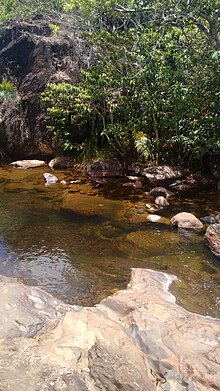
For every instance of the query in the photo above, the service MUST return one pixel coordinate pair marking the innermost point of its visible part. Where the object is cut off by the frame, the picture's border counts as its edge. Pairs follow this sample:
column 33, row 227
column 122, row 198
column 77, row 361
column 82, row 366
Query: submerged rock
column 212, row 239
column 28, row 163
column 134, row 340
column 153, row 218
column 186, row 220
column 160, row 191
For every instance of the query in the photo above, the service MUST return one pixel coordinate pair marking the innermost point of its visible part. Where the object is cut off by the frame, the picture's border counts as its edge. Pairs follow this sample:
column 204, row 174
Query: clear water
column 79, row 242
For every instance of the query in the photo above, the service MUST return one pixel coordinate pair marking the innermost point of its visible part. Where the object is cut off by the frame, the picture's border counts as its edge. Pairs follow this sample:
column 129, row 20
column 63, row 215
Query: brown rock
column 187, row 220
column 111, row 168
column 212, row 239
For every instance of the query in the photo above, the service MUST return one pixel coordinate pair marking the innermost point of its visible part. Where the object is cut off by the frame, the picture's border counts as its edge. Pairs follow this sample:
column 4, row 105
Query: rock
column 110, row 168
column 153, row 218
column 160, row 191
column 134, row 340
column 186, row 220
column 33, row 56
column 62, row 162
column 28, row 163
column 161, row 202
column 215, row 165
column 50, row 179
column 87, row 205
column 162, row 175
column 212, row 239
column 212, row 219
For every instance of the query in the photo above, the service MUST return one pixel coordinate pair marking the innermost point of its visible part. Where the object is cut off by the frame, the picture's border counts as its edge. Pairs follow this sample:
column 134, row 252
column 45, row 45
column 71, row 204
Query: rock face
column 187, row 220
column 33, row 56
column 136, row 340
column 212, row 239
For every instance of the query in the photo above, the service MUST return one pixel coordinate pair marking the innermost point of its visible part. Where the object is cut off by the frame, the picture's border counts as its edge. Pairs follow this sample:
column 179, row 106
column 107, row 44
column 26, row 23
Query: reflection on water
column 82, row 258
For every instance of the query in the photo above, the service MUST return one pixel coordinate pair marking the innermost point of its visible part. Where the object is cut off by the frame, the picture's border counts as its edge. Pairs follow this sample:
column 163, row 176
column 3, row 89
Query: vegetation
column 152, row 88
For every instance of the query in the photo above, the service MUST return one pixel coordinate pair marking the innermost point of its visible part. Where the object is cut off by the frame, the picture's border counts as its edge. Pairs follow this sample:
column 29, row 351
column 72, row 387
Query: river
column 81, row 255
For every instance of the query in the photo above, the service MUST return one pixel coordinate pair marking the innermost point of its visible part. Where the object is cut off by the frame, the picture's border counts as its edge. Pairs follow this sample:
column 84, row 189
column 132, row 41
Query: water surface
column 82, row 250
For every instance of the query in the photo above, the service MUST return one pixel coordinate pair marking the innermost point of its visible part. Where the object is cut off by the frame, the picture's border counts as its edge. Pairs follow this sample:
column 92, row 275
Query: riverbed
column 79, row 240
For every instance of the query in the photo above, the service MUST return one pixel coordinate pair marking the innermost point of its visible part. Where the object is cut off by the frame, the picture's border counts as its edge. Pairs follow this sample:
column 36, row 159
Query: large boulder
column 33, row 56
column 110, row 168
column 186, row 220
column 134, row 340
column 212, row 239
column 63, row 162
column 162, row 175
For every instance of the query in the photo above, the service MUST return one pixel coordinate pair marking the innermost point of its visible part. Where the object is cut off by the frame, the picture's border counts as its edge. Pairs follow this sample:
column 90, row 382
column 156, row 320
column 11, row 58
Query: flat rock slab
column 139, row 339
column 28, row 163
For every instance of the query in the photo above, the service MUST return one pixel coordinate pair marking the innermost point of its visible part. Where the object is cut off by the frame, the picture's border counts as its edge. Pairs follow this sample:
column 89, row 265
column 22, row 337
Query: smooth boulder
column 186, row 220
column 212, row 239
column 161, row 202
column 28, row 163
column 162, row 175
column 107, row 168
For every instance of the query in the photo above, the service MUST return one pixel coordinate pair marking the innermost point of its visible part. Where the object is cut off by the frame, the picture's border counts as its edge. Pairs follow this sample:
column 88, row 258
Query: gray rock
column 161, row 202
column 62, row 162
column 28, row 163
column 212, row 239
column 50, row 179
column 212, row 219
column 186, row 220
column 160, row 191
column 162, row 175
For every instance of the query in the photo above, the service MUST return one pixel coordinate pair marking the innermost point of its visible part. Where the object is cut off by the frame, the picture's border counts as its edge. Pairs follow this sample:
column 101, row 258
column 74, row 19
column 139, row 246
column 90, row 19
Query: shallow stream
column 79, row 241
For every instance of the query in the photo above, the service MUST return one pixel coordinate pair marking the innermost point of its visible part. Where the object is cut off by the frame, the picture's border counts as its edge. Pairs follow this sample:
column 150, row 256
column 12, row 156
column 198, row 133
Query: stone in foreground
column 28, row 163
column 186, row 220
column 50, row 179
column 139, row 339
column 212, row 239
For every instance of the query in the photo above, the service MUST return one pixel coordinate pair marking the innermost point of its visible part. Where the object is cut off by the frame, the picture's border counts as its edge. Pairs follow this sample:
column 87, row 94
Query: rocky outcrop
column 138, row 339
column 185, row 220
column 32, row 55
column 212, row 239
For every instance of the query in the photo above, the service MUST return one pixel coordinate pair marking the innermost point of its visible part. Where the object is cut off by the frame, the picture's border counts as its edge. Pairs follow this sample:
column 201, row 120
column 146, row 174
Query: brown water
column 79, row 242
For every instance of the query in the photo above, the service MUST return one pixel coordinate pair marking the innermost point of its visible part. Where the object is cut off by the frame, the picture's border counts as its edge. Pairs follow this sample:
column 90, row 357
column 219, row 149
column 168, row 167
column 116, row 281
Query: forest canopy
column 152, row 87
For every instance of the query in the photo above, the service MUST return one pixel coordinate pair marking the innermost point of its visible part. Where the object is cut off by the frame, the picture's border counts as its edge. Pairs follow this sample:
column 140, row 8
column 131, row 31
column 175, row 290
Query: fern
column 142, row 144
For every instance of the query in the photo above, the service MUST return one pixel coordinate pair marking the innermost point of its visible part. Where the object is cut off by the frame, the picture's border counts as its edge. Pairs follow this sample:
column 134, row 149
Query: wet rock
column 28, row 163
column 212, row 219
column 153, row 218
column 62, row 162
column 160, row 191
column 186, row 220
column 110, row 168
column 212, row 239
column 162, row 175
column 50, row 179
column 87, row 205
column 161, row 202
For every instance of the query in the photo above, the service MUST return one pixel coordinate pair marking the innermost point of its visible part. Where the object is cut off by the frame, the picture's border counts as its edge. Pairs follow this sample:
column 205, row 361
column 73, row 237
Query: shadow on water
column 83, row 257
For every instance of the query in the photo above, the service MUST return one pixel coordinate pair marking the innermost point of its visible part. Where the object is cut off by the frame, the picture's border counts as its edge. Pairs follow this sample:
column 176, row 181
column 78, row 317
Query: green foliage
column 54, row 28
column 7, row 91
column 154, row 86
